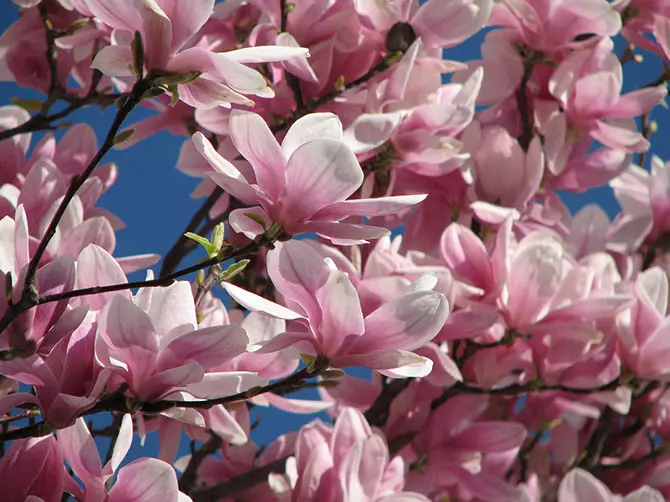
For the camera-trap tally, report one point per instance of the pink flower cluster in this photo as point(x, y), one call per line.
point(518, 352)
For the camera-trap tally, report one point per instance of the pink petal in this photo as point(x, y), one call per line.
point(114, 60)
point(240, 221)
point(638, 102)
point(371, 130)
point(406, 323)
point(129, 330)
point(208, 347)
point(342, 318)
point(81, 453)
point(616, 136)
point(319, 173)
point(596, 93)
point(535, 275)
point(311, 127)
point(579, 485)
point(298, 272)
point(298, 66)
point(465, 254)
point(187, 18)
point(257, 303)
point(96, 267)
point(253, 139)
point(491, 437)
point(445, 25)
point(393, 363)
point(379, 206)
point(344, 234)
point(146, 480)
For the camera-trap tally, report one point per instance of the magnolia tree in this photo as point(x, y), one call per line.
point(518, 352)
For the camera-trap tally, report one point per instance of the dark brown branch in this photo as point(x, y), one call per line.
point(387, 62)
point(120, 403)
point(524, 106)
point(378, 413)
point(190, 475)
point(239, 483)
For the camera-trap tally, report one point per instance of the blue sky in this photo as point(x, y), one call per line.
point(152, 197)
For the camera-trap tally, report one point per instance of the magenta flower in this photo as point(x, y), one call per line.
point(330, 321)
point(302, 183)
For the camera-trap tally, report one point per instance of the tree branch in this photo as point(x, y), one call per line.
point(190, 475)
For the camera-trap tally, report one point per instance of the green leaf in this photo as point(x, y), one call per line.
point(30, 105)
point(174, 90)
point(203, 241)
point(307, 359)
point(257, 219)
point(123, 136)
point(169, 79)
point(218, 235)
point(233, 270)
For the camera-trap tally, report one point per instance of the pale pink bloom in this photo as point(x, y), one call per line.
point(572, 161)
point(579, 485)
point(152, 343)
point(32, 469)
point(167, 30)
point(69, 381)
point(143, 480)
point(492, 151)
point(439, 24)
point(643, 329)
point(645, 200)
point(23, 50)
point(455, 443)
point(349, 461)
point(536, 285)
point(330, 321)
point(588, 85)
point(13, 150)
point(551, 29)
point(645, 17)
point(302, 184)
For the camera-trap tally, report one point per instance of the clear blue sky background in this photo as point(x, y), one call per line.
point(152, 197)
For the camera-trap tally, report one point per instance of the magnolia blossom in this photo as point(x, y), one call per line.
point(204, 78)
point(347, 462)
point(330, 322)
point(302, 184)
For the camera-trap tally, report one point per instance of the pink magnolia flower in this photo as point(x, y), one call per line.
point(493, 149)
point(32, 469)
point(349, 461)
point(452, 450)
point(167, 30)
point(588, 84)
point(143, 480)
point(69, 381)
point(329, 319)
point(438, 24)
point(645, 200)
point(151, 343)
point(579, 485)
point(301, 184)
